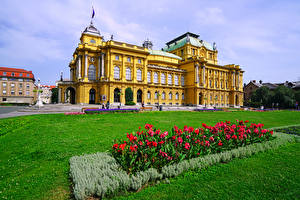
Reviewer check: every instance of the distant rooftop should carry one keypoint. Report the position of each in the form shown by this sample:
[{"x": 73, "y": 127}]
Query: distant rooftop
[
  {"x": 163, "y": 53},
  {"x": 188, "y": 37}
]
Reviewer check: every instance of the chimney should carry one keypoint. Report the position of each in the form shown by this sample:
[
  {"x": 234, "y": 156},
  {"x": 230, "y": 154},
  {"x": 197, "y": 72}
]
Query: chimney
[
  {"x": 260, "y": 81},
  {"x": 254, "y": 81}
]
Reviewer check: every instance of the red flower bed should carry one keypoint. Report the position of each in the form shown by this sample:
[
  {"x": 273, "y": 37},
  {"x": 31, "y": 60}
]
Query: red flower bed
[{"x": 153, "y": 148}]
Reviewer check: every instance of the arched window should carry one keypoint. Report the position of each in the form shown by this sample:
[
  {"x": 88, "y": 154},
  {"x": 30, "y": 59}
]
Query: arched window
[
  {"x": 163, "y": 95},
  {"x": 155, "y": 77},
  {"x": 163, "y": 78},
  {"x": 148, "y": 95},
  {"x": 169, "y": 79},
  {"x": 149, "y": 77},
  {"x": 128, "y": 73},
  {"x": 182, "y": 80},
  {"x": 139, "y": 74},
  {"x": 177, "y": 96},
  {"x": 92, "y": 73},
  {"x": 182, "y": 96},
  {"x": 117, "y": 72},
  {"x": 156, "y": 95},
  {"x": 176, "y": 79},
  {"x": 170, "y": 95}
]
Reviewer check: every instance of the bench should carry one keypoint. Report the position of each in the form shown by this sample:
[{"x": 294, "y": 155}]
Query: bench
[
  {"x": 145, "y": 108},
  {"x": 83, "y": 109}
]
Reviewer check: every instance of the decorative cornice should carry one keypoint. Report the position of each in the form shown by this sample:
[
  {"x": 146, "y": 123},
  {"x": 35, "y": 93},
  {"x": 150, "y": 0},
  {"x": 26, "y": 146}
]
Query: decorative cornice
[{"x": 166, "y": 68}]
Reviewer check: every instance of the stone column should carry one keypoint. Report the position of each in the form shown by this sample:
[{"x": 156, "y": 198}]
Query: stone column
[
  {"x": 233, "y": 80},
  {"x": 99, "y": 67},
  {"x": 59, "y": 95},
  {"x": 85, "y": 66},
  {"x": 102, "y": 65},
  {"x": 238, "y": 80},
  {"x": 79, "y": 67},
  {"x": 203, "y": 75},
  {"x": 197, "y": 73}
]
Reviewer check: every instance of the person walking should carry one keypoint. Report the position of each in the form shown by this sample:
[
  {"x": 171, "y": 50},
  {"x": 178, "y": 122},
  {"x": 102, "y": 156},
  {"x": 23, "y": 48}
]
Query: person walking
[{"x": 107, "y": 105}]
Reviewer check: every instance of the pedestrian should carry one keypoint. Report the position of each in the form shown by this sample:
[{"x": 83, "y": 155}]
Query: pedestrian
[
  {"x": 297, "y": 105},
  {"x": 103, "y": 106},
  {"x": 143, "y": 105},
  {"x": 107, "y": 105}
]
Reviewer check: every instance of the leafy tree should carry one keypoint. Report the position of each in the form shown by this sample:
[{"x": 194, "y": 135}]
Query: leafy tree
[
  {"x": 262, "y": 96},
  {"x": 284, "y": 96},
  {"x": 128, "y": 95},
  {"x": 297, "y": 96},
  {"x": 54, "y": 96}
]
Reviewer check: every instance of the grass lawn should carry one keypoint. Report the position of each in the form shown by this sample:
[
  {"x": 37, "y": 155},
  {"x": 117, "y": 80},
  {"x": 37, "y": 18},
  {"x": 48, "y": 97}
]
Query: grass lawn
[{"x": 34, "y": 156}]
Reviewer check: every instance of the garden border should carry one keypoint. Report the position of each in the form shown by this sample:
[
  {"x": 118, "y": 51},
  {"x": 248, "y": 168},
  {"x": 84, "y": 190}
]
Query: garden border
[{"x": 100, "y": 175}]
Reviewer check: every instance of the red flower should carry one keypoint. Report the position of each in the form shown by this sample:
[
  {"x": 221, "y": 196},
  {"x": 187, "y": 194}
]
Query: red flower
[
  {"x": 148, "y": 126},
  {"x": 161, "y": 142},
  {"x": 197, "y": 131},
  {"x": 185, "y": 128},
  {"x": 220, "y": 143},
  {"x": 207, "y": 143},
  {"x": 234, "y": 137},
  {"x": 140, "y": 143},
  {"x": 187, "y": 146},
  {"x": 180, "y": 140},
  {"x": 228, "y": 137},
  {"x": 122, "y": 146},
  {"x": 133, "y": 148},
  {"x": 115, "y": 146},
  {"x": 211, "y": 139},
  {"x": 271, "y": 132},
  {"x": 191, "y": 129},
  {"x": 154, "y": 144}
]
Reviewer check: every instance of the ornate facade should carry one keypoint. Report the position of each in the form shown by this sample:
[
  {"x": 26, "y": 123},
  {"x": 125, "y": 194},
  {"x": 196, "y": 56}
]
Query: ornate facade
[{"x": 185, "y": 72}]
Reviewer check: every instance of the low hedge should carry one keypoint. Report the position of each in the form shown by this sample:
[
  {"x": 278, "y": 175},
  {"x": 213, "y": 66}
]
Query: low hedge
[
  {"x": 100, "y": 111},
  {"x": 100, "y": 175}
]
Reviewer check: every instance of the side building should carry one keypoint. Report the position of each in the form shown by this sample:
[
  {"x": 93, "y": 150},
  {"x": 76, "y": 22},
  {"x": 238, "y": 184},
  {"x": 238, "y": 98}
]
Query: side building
[
  {"x": 185, "y": 72},
  {"x": 16, "y": 86}
]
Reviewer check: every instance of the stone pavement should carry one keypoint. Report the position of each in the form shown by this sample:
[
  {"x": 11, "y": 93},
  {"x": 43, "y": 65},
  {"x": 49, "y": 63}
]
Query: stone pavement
[{"x": 63, "y": 108}]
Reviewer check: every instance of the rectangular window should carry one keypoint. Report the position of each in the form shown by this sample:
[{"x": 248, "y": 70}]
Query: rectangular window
[
  {"x": 20, "y": 92},
  {"x": 20, "y": 79},
  {"x": 163, "y": 78},
  {"x": 182, "y": 53},
  {"x": 149, "y": 77},
  {"x": 128, "y": 59},
  {"x": 193, "y": 52},
  {"x": 4, "y": 79},
  {"x": 139, "y": 74},
  {"x": 117, "y": 57},
  {"x": 139, "y": 61},
  {"x": 12, "y": 85},
  {"x": 155, "y": 78},
  {"x": 128, "y": 73},
  {"x": 20, "y": 85},
  {"x": 27, "y": 92},
  {"x": 3, "y": 99},
  {"x": 169, "y": 79},
  {"x": 12, "y": 92},
  {"x": 4, "y": 91},
  {"x": 182, "y": 80},
  {"x": 176, "y": 79},
  {"x": 27, "y": 86},
  {"x": 4, "y": 84}
]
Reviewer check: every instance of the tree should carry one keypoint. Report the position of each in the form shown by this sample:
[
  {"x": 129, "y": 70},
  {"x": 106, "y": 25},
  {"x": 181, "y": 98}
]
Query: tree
[
  {"x": 54, "y": 95},
  {"x": 128, "y": 95},
  {"x": 262, "y": 96},
  {"x": 284, "y": 96}
]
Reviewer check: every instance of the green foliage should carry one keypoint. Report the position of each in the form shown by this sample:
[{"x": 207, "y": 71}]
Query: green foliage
[
  {"x": 294, "y": 130},
  {"x": 54, "y": 95},
  {"x": 100, "y": 175},
  {"x": 284, "y": 96},
  {"x": 130, "y": 103},
  {"x": 297, "y": 96},
  {"x": 128, "y": 95}
]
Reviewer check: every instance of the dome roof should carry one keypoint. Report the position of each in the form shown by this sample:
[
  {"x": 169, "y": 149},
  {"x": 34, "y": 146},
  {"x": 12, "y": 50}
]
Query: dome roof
[{"x": 92, "y": 30}]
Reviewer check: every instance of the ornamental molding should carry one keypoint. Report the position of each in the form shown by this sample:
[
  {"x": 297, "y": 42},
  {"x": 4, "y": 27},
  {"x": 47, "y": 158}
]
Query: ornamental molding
[{"x": 166, "y": 68}]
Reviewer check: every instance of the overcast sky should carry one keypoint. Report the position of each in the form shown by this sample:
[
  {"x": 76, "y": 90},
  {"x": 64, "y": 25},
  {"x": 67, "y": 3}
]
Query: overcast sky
[{"x": 262, "y": 36}]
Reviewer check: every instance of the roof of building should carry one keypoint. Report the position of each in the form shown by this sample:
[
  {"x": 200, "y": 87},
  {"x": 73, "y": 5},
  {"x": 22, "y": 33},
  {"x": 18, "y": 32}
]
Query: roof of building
[
  {"x": 18, "y": 73},
  {"x": 92, "y": 30},
  {"x": 271, "y": 86},
  {"x": 48, "y": 86},
  {"x": 163, "y": 53},
  {"x": 185, "y": 38}
]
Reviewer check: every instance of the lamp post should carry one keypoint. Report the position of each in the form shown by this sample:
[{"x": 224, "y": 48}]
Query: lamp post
[{"x": 39, "y": 101}]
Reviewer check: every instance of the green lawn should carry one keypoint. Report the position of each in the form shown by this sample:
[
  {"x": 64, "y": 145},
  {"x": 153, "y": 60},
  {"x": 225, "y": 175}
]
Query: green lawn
[{"x": 34, "y": 156}]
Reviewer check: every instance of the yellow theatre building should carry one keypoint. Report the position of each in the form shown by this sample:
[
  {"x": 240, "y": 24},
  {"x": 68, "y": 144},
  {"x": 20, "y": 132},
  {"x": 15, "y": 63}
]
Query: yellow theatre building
[{"x": 185, "y": 72}]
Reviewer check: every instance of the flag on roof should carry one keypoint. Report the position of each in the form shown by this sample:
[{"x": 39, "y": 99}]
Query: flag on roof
[{"x": 93, "y": 13}]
